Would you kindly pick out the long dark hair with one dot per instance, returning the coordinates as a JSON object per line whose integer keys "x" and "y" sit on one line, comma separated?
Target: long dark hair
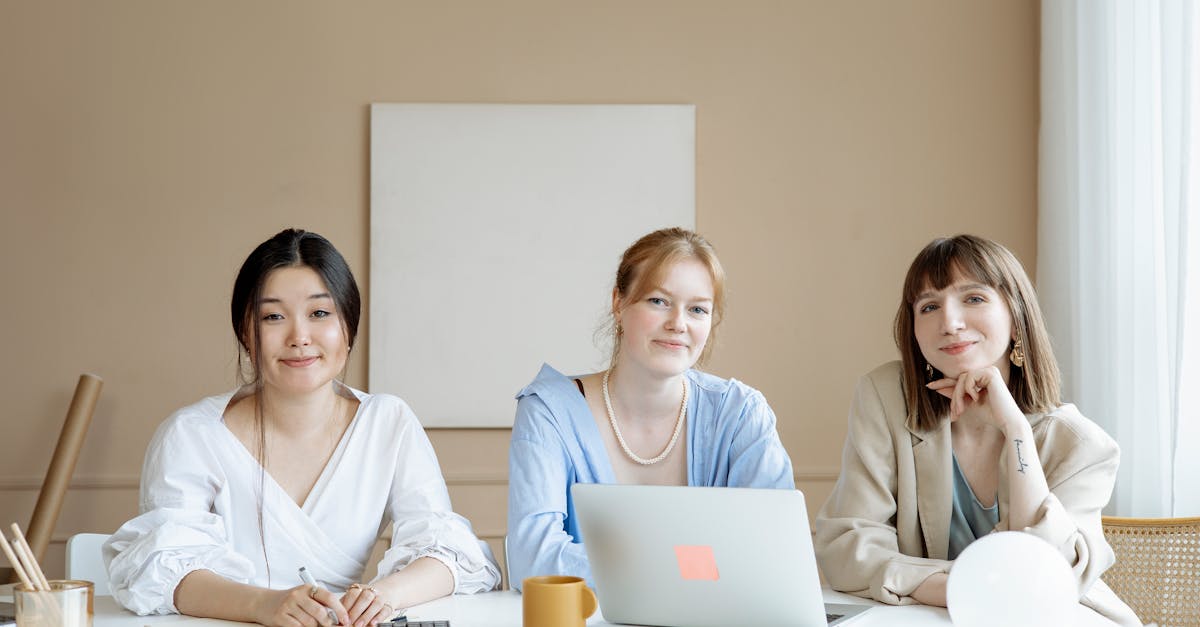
{"x": 1034, "y": 386}
{"x": 288, "y": 248}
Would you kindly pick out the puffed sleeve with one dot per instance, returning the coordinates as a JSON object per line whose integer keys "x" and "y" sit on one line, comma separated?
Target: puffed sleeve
{"x": 177, "y": 531}
{"x": 424, "y": 525}
{"x": 538, "y": 481}
{"x": 856, "y": 540}
{"x": 1080, "y": 462}
{"x": 756, "y": 457}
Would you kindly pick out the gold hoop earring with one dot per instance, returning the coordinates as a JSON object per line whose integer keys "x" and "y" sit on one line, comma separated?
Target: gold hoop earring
{"x": 1017, "y": 356}
{"x": 928, "y": 372}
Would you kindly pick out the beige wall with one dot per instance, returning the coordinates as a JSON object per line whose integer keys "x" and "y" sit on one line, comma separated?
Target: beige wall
{"x": 146, "y": 146}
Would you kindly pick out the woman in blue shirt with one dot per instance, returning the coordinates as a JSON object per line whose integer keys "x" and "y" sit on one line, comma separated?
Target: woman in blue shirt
{"x": 650, "y": 418}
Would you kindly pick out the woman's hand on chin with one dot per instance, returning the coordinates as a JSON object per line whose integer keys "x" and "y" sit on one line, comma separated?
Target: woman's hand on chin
{"x": 982, "y": 388}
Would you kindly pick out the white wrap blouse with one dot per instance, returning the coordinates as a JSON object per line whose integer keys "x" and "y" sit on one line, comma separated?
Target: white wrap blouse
{"x": 201, "y": 507}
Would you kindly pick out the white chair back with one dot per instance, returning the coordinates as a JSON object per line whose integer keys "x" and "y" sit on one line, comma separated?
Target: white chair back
{"x": 84, "y": 560}
{"x": 507, "y": 571}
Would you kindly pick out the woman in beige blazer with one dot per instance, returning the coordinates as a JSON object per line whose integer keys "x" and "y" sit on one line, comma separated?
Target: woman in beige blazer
{"x": 975, "y": 395}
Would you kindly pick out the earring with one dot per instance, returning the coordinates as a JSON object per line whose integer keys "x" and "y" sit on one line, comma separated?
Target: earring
{"x": 1017, "y": 356}
{"x": 928, "y": 372}
{"x": 619, "y": 330}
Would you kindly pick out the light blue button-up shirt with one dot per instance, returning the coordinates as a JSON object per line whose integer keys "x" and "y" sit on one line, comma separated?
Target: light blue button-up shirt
{"x": 731, "y": 441}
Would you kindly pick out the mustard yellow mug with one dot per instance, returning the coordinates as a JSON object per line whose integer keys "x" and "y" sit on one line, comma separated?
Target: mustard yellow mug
{"x": 556, "y": 601}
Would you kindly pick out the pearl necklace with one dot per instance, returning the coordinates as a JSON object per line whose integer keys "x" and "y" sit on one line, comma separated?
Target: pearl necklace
{"x": 612, "y": 419}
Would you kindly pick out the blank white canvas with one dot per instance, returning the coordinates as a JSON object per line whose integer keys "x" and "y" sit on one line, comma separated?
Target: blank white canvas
{"x": 495, "y": 236}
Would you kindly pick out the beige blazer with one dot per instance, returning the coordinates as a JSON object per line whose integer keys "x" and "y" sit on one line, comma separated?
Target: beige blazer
{"x": 886, "y": 526}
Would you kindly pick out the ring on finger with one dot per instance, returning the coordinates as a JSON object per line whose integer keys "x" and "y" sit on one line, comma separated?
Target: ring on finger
{"x": 360, "y": 588}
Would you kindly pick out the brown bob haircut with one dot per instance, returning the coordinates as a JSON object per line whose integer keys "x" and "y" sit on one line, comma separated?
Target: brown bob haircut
{"x": 1035, "y": 387}
{"x": 646, "y": 263}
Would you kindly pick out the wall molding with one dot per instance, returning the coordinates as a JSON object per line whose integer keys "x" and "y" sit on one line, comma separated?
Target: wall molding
{"x": 476, "y": 478}
{"x": 819, "y": 475}
{"x": 78, "y": 482}
{"x": 485, "y": 478}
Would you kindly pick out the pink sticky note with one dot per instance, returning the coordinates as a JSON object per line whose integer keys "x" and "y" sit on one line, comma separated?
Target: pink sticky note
{"x": 696, "y": 562}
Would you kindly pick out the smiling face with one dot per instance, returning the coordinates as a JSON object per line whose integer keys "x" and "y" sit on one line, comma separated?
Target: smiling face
{"x": 665, "y": 330}
{"x": 1003, "y": 307}
{"x": 963, "y": 326}
{"x": 302, "y": 338}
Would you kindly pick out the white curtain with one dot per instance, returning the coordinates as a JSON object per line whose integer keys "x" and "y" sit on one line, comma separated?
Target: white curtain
{"x": 1119, "y": 234}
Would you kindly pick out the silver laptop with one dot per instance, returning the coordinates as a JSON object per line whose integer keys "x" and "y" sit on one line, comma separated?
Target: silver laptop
{"x": 703, "y": 557}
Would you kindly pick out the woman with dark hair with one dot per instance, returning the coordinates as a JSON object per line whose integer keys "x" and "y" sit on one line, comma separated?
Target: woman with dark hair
{"x": 650, "y": 418}
{"x": 294, "y": 469}
{"x": 965, "y": 435}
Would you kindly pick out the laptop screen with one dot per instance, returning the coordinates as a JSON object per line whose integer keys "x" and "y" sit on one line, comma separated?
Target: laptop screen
{"x": 697, "y": 557}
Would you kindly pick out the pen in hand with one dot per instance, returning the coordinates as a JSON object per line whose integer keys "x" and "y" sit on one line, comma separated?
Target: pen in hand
{"x": 312, "y": 583}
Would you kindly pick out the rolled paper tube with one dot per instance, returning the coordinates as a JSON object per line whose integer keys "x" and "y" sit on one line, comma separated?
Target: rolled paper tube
{"x": 62, "y": 464}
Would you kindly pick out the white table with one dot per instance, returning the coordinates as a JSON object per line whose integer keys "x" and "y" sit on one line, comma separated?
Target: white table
{"x": 503, "y": 609}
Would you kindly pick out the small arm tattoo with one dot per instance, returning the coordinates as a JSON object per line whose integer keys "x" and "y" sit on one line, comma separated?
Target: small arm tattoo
{"x": 1021, "y": 465}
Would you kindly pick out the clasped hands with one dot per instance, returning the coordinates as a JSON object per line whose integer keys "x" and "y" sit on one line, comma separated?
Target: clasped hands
{"x": 305, "y": 606}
